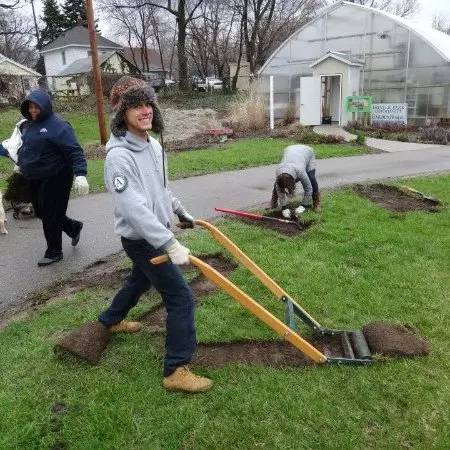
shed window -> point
(63, 54)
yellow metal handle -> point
(251, 305)
(160, 259)
(251, 266)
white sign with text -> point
(390, 113)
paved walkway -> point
(379, 144)
(24, 245)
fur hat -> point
(129, 92)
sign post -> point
(359, 104)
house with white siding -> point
(70, 46)
(16, 80)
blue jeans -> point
(176, 295)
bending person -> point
(298, 165)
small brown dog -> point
(2, 216)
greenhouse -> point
(353, 50)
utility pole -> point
(96, 71)
(36, 29)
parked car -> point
(159, 83)
(209, 84)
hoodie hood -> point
(42, 99)
(129, 141)
(286, 168)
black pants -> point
(50, 197)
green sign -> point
(359, 103)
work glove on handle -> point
(286, 213)
(178, 253)
(17, 169)
(81, 185)
(186, 218)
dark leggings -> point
(312, 178)
(50, 197)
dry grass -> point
(247, 111)
(289, 114)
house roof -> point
(84, 65)
(347, 59)
(436, 39)
(78, 36)
(134, 54)
(4, 59)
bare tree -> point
(441, 23)
(183, 13)
(17, 38)
(267, 23)
(212, 37)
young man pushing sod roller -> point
(144, 208)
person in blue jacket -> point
(50, 157)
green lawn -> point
(85, 125)
(232, 156)
(358, 264)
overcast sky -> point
(429, 8)
(425, 16)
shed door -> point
(310, 100)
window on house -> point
(89, 53)
(63, 54)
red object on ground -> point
(255, 216)
(217, 132)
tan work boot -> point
(183, 380)
(126, 327)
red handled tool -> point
(257, 216)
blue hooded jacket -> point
(49, 143)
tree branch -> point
(5, 6)
(167, 8)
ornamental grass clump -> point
(247, 111)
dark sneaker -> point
(76, 239)
(45, 261)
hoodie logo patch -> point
(43, 130)
(120, 182)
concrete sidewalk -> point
(24, 245)
(379, 144)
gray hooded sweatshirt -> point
(144, 208)
(297, 161)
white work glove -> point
(286, 213)
(307, 200)
(298, 211)
(178, 253)
(81, 185)
(186, 218)
(17, 169)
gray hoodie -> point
(144, 207)
(297, 161)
